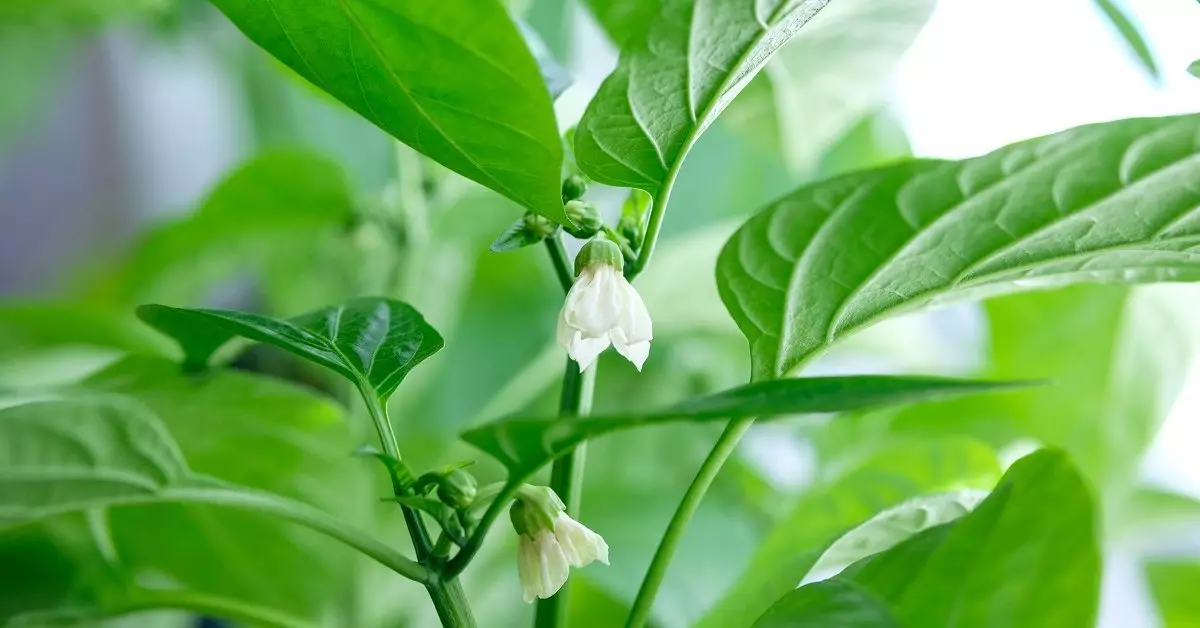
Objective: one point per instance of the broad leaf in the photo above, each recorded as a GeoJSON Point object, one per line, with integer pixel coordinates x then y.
{"type": "Point", "coordinates": [258, 432]}
{"type": "Point", "coordinates": [1116, 15]}
{"type": "Point", "coordinates": [886, 479]}
{"type": "Point", "coordinates": [453, 79]}
{"type": "Point", "coordinates": [277, 200]}
{"type": "Point", "coordinates": [828, 604]}
{"type": "Point", "coordinates": [526, 444]}
{"type": "Point", "coordinates": [1173, 584]}
{"type": "Point", "coordinates": [673, 80]}
{"type": "Point", "coordinates": [828, 76]}
{"type": "Point", "coordinates": [369, 341]}
{"type": "Point", "coordinates": [1112, 202]}
{"type": "Point", "coordinates": [1030, 548]}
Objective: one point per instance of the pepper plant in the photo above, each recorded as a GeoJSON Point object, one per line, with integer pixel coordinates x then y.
{"type": "Point", "coordinates": [918, 524]}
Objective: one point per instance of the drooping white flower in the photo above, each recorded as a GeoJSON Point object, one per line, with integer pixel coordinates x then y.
{"type": "Point", "coordinates": [550, 542]}
{"type": "Point", "coordinates": [603, 309]}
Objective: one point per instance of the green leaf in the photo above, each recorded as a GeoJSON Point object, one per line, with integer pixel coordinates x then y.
{"type": "Point", "coordinates": [1117, 17]}
{"type": "Point", "coordinates": [277, 200]}
{"type": "Point", "coordinates": [1194, 68]}
{"type": "Point", "coordinates": [63, 456]}
{"type": "Point", "coordinates": [476, 104]}
{"type": "Point", "coordinates": [76, 12]}
{"type": "Point", "coordinates": [1030, 548]}
{"type": "Point", "coordinates": [256, 432]}
{"type": "Point", "coordinates": [517, 236]}
{"type": "Point", "coordinates": [673, 80]}
{"type": "Point", "coordinates": [1173, 584]}
{"type": "Point", "coordinates": [524, 445]}
{"type": "Point", "coordinates": [369, 341]}
{"type": "Point", "coordinates": [38, 325]}
{"type": "Point", "coordinates": [828, 76]}
{"type": "Point", "coordinates": [828, 604]}
{"type": "Point", "coordinates": [1108, 203]}
{"type": "Point", "coordinates": [886, 479]}
{"type": "Point", "coordinates": [622, 19]}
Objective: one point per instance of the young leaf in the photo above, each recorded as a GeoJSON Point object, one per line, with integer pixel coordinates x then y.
{"type": "Point", "coordinates": [822, 516]}
{"type": "Point", "coordinates": [1112, 202]}
{"type": "Point", "coordinates": [62, 456]}
{"type": "Point", "coordinates": [453, 79]}
{"type": "Point", "coordinates": [368, 340]}
{"type": "Point", "coordinates": [526, 444]}
{"type": "Point", "coordinates": [1030, 548]}
{"type": "Point", "coordinates": [674, 78]}
{"type": "Point", "coordinates": [827, 77]}
{"type": "Point", "coordinates": [1115, 14]}
{"type": "Point", "coordinates": [1173, 584]}
{"type": "Point", "coordinates": [828, 604]}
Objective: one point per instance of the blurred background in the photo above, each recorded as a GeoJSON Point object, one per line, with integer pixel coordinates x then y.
{"type": "Point", "coordinates": [149, 153]}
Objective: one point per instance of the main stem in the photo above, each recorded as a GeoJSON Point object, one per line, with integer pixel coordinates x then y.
{"type": "Point", "coordinates": [721, 451]}
{"type": "Point", "coordinates": [447, 595]}
{"type": "Point", "coordinates": [566, 477]}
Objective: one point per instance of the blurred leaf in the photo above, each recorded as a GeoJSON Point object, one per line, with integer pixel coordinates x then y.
{"type": "Point", "coordinates": [622, 19]}
{"type": "Point", "coordinates": [1030, 548]}
{"type": "Point", "coordinates": [63, 456]}
{"type": "Point", "coordinates": [76, 12]}
{"type": "Point", "coordinates": [556, 77]}
{"type": "Point", "coordinates": [517, 236]}
{"type": "Point", "coordinates": [1117, 17]}
{"type": "Point", "coordinates": [1037, 214]}
{"type": "Point", "coordinates": [31, 62]}
{"type": "Point", "coordinates": [526, 444]}
{"type": "Point", "coordinates": [1173, 584]}
{"type": "Point", "coordinates": [650, 111]}
{"type": "Point", "coordinates": [476, 105]}
{"type": "Point", "coordinates": [277, 200]}
{"type": "Point", "coordinates": [1194, 68]}
{"type": "Point", "coordinates": [253, 431]}
{"type": "Point", "coordinates": [828, 604]}
{"type": "Point", "coordinates": [37, 325]}
{"type": "Point", "coordinates": [888, 478]}
{"type": "Point", "coordinates": [875, 140]}
{"type": "Point", "coordinates": [371, 342]}
{"type": "Point", "coordinates": [828, 76]}
{"type": "Point", "coordinates": [1149, 507]}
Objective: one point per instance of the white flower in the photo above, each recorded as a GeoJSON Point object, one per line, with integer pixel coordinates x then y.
{"type": "Point", "coordinates": [550, 543]}
{"type": "Point", "coordinates": [602, 308]}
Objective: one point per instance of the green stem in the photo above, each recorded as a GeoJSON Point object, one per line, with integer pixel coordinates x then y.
{"type": "Point", "coordinates": [721, 451]}
{"type": "Point", "coordinates": [658, 211]}
{"type": "Point", "coordinates": [566, 477]}
{"type": "Point", "coordinates": [562, 266]}
{"type": "Point", "coordinates": [445, 593]}
{"type": "Point", "coordinates": [464, 556]}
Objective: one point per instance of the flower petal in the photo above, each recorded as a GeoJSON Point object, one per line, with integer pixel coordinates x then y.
{"type": "Point", "coordinates": [553, 564]}
{"type": "Point", "coordinates": [596, 306]}
{"type": "Point", "coordinates": [635, 353]}
{"type": "Point", "coordinates": [585, 350]}
{"type": "Point", "coordinates": [585, 545]}
{"type": "Point", "coordinates": [527, 569]}
{"type": "Point", "coordinates": [635, 318]}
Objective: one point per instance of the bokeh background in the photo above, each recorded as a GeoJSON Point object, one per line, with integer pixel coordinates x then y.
{"type": "Point", "coordinates": [117, 125]}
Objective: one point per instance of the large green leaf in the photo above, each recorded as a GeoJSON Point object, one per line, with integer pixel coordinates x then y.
{"type": "Point", "coordinates": [369, 341]}
{"type": "Point", "coordinates": [828, 76]}
{"type": "Point", "coordinates": [63, 456]}
{"type": "Point", "coordinates": [673, 80]}
{"type": "Point", "coordinates": [279, 199]}
{"type": "Point", "coordinates": [75, 12]}
{"type": "Point", "coordinates": [888, 478]}
{"type": "Point", "coordinates": [1030, 548]}
{"type": "Point", "coordinates": [1173, 584]}
{"type": "Point", "coordinates": [828, 604]}
{"type": "Point", "coordinates": [1112, 202]}
{"type": "Point", "coordinates": [622, 19]}
{"type": "Point", "coordinates": [258, 432]}
{"type": "Point", "coordinates": [476, 104]}
{"type": "Point", "coordinates": [526, 444]}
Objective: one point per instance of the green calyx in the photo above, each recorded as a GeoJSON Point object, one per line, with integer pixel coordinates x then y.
{"type": "Point", "coordinates": [457, 489]}
{"type": "Point", "coordinates": [534, 510]}
{"type": "Point", "coordinates": [599, 250]}
{"type": "Point", "coordinates": [586, 219]}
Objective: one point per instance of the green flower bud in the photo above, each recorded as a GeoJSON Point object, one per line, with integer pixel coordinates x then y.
{"type": "Point", "coordinates": [629, 229]}
{"type": "Point", "coordinates": [457, 489]}
{"type": "Point", "coordinates": [573, 187]}
{"type": "Point", "coordinates": [586, 218]}
{"type": "Point", "coordinates": [539, 226]}
{"type": "Point", "coordinates": [599, 251]}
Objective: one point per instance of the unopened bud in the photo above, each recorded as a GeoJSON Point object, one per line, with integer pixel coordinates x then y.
{"type": "Point", "coordinates": [586, 218]}
{"type": "Point", "coordinates": [538, 225]}
{"type": "Point", "coordinates": [573, 187]}
{"type": "Point", "coordinates": [599, 251]}
{"type": "Point", "coordinates": [457, 489]}
{"type": "Point", "coordinates": [629, 229]}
